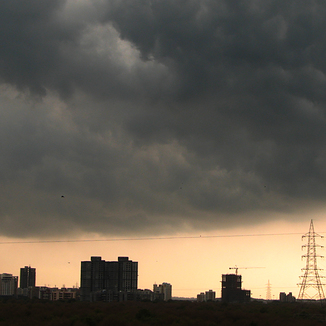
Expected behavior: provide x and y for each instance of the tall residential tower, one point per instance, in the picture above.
(165, 289)
(27, 277)
(110, 278)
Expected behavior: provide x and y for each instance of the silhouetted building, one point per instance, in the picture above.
(27, 277)
(165, 289)
(207, 296)
(210, 295)
(231, 289)
(201, 297)
(282, 296)
(108, 280)
(290, 297)
(8, 284)
(287, 297)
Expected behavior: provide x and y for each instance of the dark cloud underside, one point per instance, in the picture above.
(159, 116)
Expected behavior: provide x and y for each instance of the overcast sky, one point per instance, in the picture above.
(159, 116)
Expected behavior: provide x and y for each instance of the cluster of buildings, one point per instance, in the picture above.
(100, 280)
(27, 287)
(117, 281)
(9, 282)
(109, 281)
(231, 290)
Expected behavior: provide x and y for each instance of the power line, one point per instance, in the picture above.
(153, 238)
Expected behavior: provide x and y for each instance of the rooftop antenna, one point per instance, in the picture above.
(311, 278)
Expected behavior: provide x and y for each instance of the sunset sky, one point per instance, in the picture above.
(129, 119)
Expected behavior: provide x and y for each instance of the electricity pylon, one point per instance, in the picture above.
(311, 278)
(268, 291)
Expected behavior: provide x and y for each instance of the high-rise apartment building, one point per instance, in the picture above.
(8, 284)
(210, 295)
(27, 277)
(207, 296)
(165, 289)
(112, 277)
(201, 297)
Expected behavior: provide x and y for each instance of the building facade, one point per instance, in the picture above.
(210, 295)
(64, 294)
(165, 289)
(108, 280)
(8, 284)
(27, 277)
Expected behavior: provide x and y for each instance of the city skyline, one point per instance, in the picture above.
(170, 120)
(188, 276)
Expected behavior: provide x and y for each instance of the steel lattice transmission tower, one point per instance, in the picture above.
(311, 286)
(268, 291)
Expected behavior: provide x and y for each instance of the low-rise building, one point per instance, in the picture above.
(148, 295)
(64, 294)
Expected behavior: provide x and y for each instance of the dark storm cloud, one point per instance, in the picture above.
(159, 116)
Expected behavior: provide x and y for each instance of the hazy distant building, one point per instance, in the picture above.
(210, 295)
(64, 294)
(165, 289)
(45, 293)
(286, 297)
(27, 277)
(30, 292)
(108, 280)
(290, 297)
(8, 284)
(231, 289)
(282, 296)
(148, 295)
(207, 296)
(201, 297)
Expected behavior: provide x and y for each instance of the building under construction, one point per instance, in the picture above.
(231, 289)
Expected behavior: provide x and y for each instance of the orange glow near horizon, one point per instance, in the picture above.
(191, 265)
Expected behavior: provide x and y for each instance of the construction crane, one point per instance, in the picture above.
(236, 268)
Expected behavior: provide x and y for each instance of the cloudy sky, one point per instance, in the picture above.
(160, 117)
